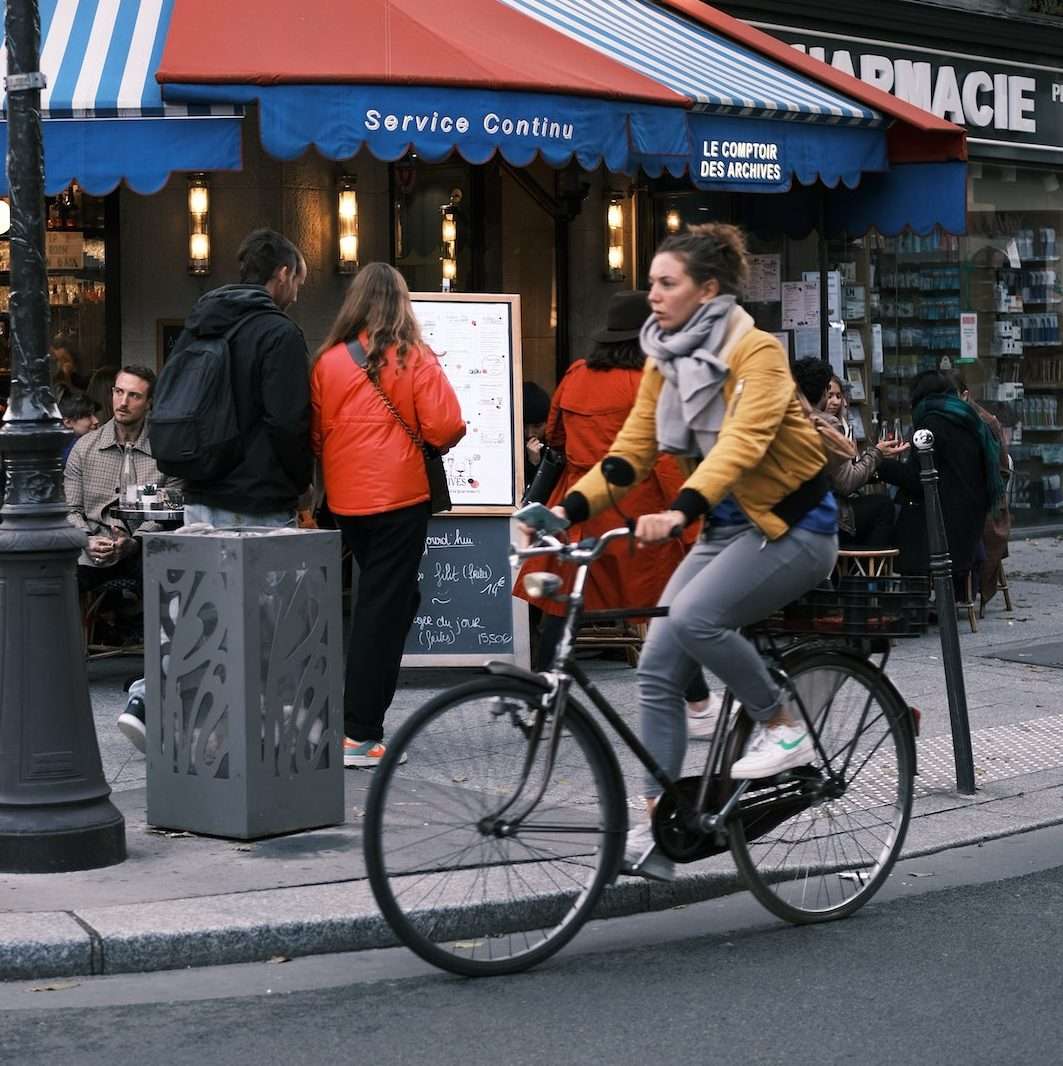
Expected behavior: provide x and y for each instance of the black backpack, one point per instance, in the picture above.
(193, 427)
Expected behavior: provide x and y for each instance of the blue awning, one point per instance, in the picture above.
(731, 118)
(104, 119)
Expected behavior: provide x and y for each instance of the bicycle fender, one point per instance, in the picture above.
(518, 673)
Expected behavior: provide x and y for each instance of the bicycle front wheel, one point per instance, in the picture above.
(811, 850)
(472, 871)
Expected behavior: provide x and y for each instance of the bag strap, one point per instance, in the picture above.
(358, 354)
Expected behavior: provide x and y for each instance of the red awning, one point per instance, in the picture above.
(915, 136)
(472, 44)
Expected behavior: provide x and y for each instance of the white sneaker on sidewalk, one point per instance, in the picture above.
(772, 749)
(642, 857)
(701, 724)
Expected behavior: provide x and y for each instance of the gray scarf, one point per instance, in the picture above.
(691, 407)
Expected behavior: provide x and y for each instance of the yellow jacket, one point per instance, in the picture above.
(766, 448)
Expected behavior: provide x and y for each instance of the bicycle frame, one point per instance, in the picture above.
(565, 670)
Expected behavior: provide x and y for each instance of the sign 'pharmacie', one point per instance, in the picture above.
(999, 101)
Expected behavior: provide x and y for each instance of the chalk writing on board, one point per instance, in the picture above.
(466, 589)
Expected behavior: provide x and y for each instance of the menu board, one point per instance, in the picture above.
(477, 339)
(468, 613)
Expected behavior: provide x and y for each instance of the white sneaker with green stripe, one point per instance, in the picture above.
(772, 749)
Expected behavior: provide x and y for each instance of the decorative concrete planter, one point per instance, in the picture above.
(243, 656)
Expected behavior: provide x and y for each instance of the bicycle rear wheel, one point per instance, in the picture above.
(810, 852)
(463, 875)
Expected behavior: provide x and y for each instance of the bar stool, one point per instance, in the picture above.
(866, 562)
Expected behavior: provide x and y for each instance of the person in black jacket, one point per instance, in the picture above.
(271, 389)
(969, 484)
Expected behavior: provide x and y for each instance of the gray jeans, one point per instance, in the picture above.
(733, 577)
(220, 518)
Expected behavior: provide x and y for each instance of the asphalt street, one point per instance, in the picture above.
(957, 961)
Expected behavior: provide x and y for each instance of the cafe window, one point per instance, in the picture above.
(75, 249)
(432, 218)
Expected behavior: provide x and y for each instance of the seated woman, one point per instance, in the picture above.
(969, 482)
(863, 521)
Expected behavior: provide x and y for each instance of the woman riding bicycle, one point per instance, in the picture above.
(717, 393)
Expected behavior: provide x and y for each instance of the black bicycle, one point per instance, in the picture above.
(490, 847)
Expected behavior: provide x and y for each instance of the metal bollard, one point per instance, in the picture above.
(945, 597)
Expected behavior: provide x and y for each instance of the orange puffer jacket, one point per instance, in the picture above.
(369, 462)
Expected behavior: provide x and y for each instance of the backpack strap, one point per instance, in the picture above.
(358, 354)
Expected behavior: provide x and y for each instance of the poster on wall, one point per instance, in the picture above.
(765, 273)
(477, 339)
(800, 304)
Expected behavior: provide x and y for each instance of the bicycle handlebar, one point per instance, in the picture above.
(584, 551)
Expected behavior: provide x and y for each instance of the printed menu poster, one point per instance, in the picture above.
(765, 272)
(472, 341)
(800, 304)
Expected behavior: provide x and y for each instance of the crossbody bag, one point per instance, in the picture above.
(438, 490)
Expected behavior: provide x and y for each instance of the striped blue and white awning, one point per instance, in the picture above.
(713, 72)
(104, 116)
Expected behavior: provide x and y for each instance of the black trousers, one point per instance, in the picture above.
(873, 518)
(387, 548)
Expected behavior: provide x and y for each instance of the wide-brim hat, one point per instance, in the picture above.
(624, 317)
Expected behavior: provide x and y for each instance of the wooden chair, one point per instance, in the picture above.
(91, 606)
(1002, 586)
(967, 603)
(866, 562)
(613, 634)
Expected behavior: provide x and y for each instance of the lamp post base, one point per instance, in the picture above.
(55, 813)
(51, 839)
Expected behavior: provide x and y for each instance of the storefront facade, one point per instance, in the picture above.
(500, 184)
(987, 303)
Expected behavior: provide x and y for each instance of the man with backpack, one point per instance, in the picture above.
(232, 406)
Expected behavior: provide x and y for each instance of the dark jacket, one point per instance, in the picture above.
(271, 388)
(961, 488)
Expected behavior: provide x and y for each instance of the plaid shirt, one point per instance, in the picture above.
(93, 474)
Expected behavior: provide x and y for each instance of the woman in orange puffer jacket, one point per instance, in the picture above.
(375, 480)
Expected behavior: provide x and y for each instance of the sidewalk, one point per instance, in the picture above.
(181, 900)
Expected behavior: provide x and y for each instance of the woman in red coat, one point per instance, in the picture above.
(375, 480)
(588, 408)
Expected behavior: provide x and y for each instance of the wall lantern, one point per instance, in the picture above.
(448, 232)
(614, 227)
(198, 224)
(673, 220)
(347, 225)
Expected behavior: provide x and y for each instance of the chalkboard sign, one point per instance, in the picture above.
(467, 614)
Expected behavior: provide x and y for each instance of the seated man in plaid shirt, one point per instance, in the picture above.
(93, 473)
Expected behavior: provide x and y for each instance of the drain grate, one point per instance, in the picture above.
(1000, 752)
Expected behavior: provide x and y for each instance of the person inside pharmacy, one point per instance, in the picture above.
(104, 464)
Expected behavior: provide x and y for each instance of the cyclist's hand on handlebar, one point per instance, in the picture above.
(529, 533)
(654, 528)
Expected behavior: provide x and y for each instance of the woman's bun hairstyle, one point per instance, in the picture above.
(713, 250)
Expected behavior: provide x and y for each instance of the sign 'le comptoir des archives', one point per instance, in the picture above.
(740, 161)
